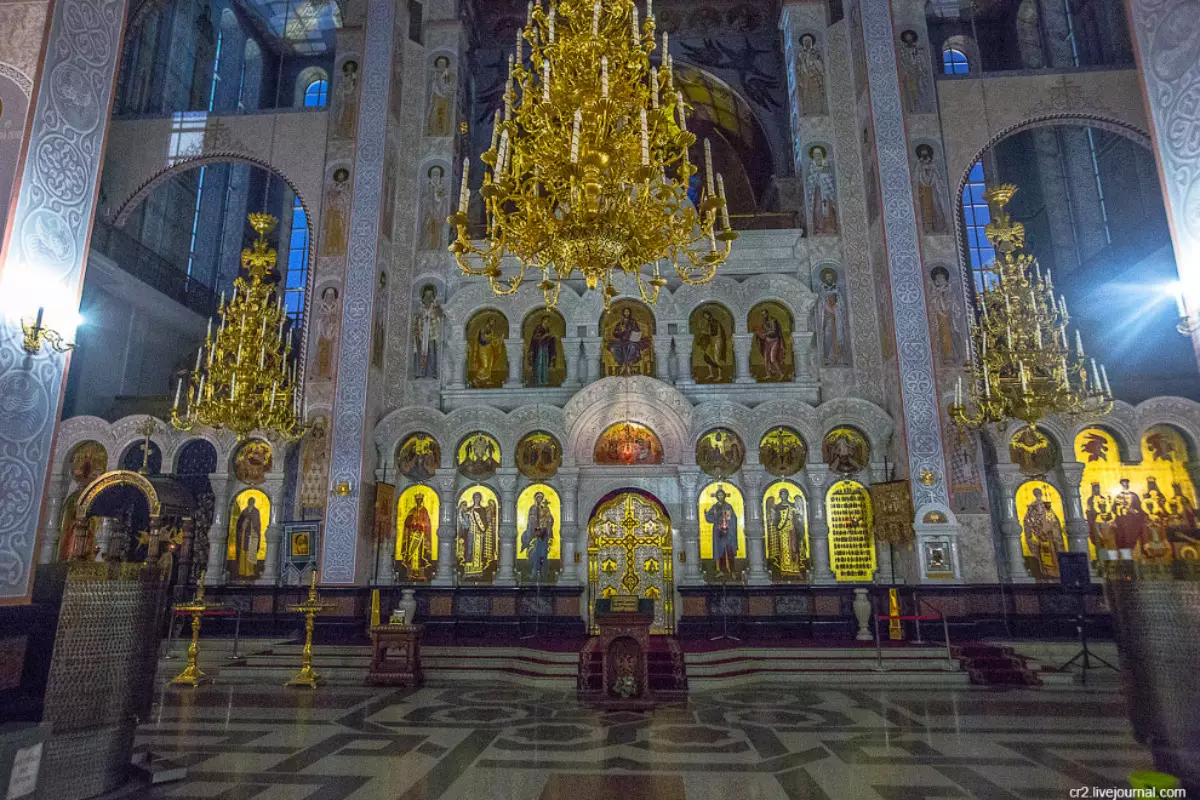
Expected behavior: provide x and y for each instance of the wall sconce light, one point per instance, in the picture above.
(36, 332)
(342, 489)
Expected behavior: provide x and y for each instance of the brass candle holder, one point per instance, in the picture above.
(307, 676)
(191, 675)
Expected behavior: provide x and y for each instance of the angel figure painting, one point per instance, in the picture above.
(478, 456)
(487, 354)
(785, 518)
(476, 543)
(628, 332)
(712, 344)
(416, 537)
(720, 453)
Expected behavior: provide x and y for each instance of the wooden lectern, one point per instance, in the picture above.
(621, 644)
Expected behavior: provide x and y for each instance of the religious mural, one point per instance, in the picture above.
(419, 457)
(88, 460)
(785, 521)
(314, 470)
(477, 541)
(845, 451)
(336, 214)
(539, 545)
(379, 319)
(771, 356)
(833, 321)
(1145, 511)
(916, 77)
(435, 208)
(949, 338)
(252, 462)
(629, 553)
(440, 119)
(385, 513)
(1033, 452)
(545, 359)
(345, 102)
(387, 221)
(810, 77)
(722, 532)
(478, 456)
(246, 549)
(966, 479)
(627, 329)
(487, 353)
(870, 169)
(782, 452)
(629, 444)
(720, 452)
(851, 541)
(931, 191)
(539, 455)
(427, 334)
(1043, 536)
(417, 516)
(712, 344)
(76, 541)
(329, 325)
(820, 193)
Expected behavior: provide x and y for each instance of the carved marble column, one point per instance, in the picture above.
(742, 344)
(453, 370)
(1075, 522)
(756, 540)
(516, 363)
(1170, 74)
(662, 358)
(689, 482)
(445, 481)
(591, 353)
(818, 527)
(45, 244)
(218, 534)
(273, 488)
(568, 483)
(507, 479)
(51, 522)
(683, 359)
(349, 451)
(802, 352)
(1010, 478)
(570, 357)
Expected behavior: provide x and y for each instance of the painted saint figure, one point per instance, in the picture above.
(476, 534)
(345, 115)
(785, 533)
(329, 314)
(543, 352)
(820, 194)
(1043, 536)
(916, 81)
(427, 334)
(832, 310)
(489, 352)
(418, 539)
(769, 340)
(440, 121)
(810, 77)
(337, 212)
(435, 207)
(712, 342)
(949, 343)
(538, 534)
(249, 532)
(1100, 519)
(628, 343)
(725, 526)
(1131, 519)
(379, 323)
(931, 192)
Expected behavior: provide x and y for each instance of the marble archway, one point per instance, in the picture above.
(638, 399)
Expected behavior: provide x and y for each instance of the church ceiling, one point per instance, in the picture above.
(306, 27)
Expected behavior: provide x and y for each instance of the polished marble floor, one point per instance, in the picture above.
(509, 742)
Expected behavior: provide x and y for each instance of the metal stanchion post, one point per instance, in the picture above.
(170, 656)
(237, 633)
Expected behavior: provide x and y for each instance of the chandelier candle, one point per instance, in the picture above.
(1021, 366)
(588, 169)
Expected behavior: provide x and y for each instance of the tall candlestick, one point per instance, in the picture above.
(987, 384)
(1049, 279)
(464, 190)
(546, 81)
(208, 333)
(604, 77)
(1078, 344)
(666, 41)
(724, 205)
(199, 355)
(682, 113)
(1024, 383)
(232, 386)
(1065, 384)
(958, 392)
(1062, 302)
(649, 9)
(1095, 375)
(1104, 375)
(645, 138)
(262, 356)
(596, 18)
(178, 392)
(637, 33)
(520, 46)
(708, 170)
(200, 388)
(502, 156)
(575, 136)
(274, 389)
(495, 131)
(654, 88)
(550, 23)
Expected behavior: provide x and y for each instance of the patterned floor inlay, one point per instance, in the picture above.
(508, 742)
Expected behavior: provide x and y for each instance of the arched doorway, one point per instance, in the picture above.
(630, 553)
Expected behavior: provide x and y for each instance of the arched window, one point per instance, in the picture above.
(297, 264)
(954, 62)
(977, 215)
(316, 94)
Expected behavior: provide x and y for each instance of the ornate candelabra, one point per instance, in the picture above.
(588, 167)
(307, 676)
(245, 376)
(191, 675)
(1023, 366)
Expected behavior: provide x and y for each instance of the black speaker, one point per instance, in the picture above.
(1074, 571)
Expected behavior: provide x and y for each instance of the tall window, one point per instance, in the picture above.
(297, 265)
(977, 215)
(317, 94)
(954, 62)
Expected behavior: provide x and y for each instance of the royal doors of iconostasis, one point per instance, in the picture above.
(629, 553)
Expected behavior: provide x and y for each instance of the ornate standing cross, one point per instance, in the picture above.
(147, 430)
(630, 541)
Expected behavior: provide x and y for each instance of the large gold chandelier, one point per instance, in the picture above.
(588, 167)
(245, 376)
(1023, 366)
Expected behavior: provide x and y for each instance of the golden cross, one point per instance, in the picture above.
(147, 429)
(630, 542)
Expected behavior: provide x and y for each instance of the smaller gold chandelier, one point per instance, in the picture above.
(245, 376)
(1022, 366)
(589, 166)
